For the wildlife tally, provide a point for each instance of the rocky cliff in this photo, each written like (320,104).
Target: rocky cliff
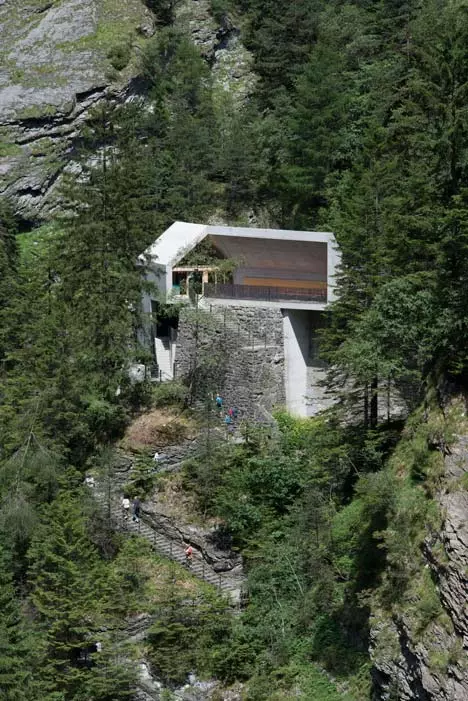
(420,639)
(59,58)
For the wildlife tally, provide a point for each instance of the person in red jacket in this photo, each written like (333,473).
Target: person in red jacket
(188,555)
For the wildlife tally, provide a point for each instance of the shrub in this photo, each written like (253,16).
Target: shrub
(170,394)
(119,55)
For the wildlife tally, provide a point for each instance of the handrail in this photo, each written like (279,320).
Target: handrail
(258,292)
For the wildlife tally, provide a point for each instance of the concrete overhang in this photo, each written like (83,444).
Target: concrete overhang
(182,237)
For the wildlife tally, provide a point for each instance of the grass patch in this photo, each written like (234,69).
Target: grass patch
(36,243)
(7,148)
(156,428)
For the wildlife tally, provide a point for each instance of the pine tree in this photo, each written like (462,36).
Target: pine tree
(63,566)
(281,35)
(16,654)
(8,278)
(182,127)
(109,223)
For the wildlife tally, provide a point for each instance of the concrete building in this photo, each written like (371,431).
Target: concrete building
(269,308)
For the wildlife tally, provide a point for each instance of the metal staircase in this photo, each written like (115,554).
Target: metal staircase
(228,583)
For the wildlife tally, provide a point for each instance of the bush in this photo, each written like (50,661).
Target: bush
(220,10)
(170,394)
(119,55)
(105,420)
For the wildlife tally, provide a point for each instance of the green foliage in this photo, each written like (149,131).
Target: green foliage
(16,650)
(62,575)
(358,125)
(310,557)
(172,393)
(220,10)
(119,54)
(187,635)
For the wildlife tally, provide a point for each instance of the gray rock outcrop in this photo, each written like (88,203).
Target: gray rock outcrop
(412,663)
(58,60)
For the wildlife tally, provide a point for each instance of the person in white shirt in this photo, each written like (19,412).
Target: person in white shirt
(125,507)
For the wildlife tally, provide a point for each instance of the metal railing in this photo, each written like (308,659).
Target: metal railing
(265,294)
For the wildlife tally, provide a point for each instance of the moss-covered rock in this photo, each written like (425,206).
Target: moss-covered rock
(419,622)
(58,58)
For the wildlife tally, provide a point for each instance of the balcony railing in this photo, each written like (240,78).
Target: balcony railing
(264,294)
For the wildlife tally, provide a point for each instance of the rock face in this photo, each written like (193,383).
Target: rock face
(58,58)
(207,540)
(432,665)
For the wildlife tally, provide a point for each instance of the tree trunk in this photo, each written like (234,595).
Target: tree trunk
(374,403)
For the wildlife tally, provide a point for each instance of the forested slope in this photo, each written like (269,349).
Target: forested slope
(354,121)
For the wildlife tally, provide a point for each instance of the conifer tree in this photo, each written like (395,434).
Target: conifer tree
(8,277)
(281,36)
(63,566)
(109,223)
(16,654)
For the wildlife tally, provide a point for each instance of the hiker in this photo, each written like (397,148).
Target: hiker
(136,509)
(156,457)
(229,423)
(219,401)
(235,412)
(125,507)
(188,555)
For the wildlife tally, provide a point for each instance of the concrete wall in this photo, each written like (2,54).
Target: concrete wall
(304,371)
(258,358)
(237,351)
(296,352)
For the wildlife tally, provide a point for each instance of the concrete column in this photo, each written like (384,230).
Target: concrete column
(296,352)
(317,399)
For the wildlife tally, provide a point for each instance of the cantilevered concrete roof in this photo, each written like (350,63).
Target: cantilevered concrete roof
(182,237)
(175,242)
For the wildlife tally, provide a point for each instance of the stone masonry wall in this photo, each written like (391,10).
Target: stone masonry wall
(237,351)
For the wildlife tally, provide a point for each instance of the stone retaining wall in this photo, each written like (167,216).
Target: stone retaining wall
(237,351)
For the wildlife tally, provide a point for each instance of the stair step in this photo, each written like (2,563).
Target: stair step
(166,546)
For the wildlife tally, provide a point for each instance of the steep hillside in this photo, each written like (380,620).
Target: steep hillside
(419,624)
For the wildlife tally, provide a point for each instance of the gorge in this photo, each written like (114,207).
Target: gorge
(329,535)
